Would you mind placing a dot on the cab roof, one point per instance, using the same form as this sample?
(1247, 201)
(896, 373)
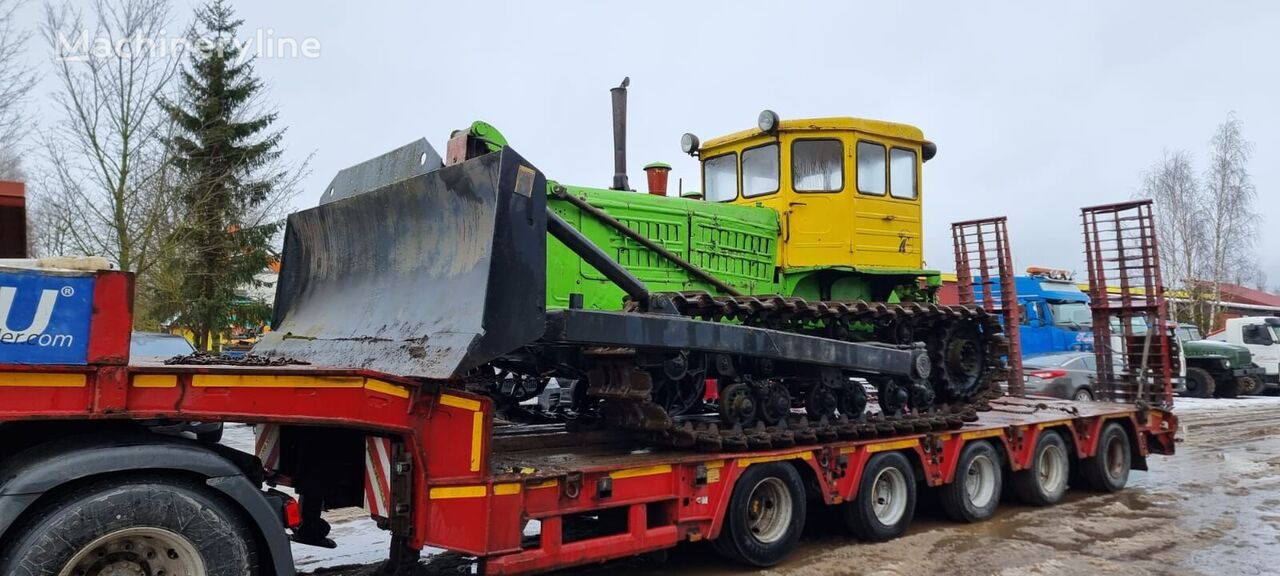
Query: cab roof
(847, 123)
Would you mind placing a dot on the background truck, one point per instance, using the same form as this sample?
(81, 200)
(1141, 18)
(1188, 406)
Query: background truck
(1056, 315)
(1217, 369)
(1261, 335)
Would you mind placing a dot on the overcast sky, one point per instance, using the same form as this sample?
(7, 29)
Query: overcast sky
(1036, 111)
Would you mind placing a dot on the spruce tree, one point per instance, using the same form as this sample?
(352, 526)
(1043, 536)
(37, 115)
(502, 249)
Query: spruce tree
(224, 151)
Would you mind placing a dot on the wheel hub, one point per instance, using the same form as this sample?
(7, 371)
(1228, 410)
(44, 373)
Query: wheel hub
(769, 510)
(138, 551)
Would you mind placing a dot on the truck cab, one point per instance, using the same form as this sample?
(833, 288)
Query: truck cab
(848, 190)
(1261, 335)
(1055, 313)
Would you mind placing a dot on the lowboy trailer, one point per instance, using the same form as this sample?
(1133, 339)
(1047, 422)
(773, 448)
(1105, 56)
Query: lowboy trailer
(432, 467)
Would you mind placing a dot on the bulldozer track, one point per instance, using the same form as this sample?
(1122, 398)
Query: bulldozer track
(891, 323)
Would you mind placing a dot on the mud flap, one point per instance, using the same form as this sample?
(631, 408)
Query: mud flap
(429, 276)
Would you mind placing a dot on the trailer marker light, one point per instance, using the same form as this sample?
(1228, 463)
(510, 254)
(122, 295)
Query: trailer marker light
(292, 513)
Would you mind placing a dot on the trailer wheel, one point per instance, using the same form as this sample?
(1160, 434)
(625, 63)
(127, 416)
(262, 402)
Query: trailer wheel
(132, 526)
(886, 499)
(974, 493)
(1108, 469)
(765, 516)
(1045, 482)
(1200, 383)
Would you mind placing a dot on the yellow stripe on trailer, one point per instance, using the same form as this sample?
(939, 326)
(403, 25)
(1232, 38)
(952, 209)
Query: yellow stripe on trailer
(42, 380)
(744, 462)
(386, 388)
(279, 381)
(460, 402)
(506, 489)
(639, 472)
(896, 445)
(155, 381)
(976, 434)
(452, 492)
(1044, 425)
(477, 439)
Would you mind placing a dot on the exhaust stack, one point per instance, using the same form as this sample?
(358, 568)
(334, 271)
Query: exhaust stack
(620, 135)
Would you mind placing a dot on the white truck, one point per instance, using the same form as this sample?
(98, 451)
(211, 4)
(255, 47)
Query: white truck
(1261, 335)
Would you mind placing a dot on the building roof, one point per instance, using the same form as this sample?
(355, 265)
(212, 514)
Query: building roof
(1243, 295)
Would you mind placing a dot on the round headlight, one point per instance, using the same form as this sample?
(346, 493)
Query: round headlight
(768, 121)
(689, 143)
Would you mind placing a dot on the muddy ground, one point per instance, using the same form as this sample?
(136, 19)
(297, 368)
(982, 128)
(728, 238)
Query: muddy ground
(1212, 509)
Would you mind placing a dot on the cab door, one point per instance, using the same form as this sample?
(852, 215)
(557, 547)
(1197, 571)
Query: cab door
(815, 205)
(886, 205)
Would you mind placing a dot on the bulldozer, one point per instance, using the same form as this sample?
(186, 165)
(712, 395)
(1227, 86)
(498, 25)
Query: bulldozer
(796, 281)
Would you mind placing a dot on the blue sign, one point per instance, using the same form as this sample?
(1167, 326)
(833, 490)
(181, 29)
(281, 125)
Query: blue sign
(44, 317)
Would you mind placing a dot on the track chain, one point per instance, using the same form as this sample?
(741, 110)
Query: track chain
(834, 319)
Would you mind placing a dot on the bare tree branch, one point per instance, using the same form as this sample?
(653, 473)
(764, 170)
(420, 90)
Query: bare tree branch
(16, 82)
(105, 155)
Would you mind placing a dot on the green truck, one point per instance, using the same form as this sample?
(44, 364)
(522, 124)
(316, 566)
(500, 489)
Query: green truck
(1217, 369)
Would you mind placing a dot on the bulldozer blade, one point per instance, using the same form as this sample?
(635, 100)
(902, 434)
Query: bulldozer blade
(427, 277)
(405, 162)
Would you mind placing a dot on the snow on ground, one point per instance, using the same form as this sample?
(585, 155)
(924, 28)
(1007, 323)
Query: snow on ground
(1183, 405)
(360, 541)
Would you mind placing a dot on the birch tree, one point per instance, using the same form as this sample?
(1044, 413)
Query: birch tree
(1230, 195)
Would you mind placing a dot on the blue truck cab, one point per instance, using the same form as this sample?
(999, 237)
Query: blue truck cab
(1055, 313)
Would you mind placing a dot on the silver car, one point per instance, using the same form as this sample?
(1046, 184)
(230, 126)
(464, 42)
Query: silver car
(1068, 375)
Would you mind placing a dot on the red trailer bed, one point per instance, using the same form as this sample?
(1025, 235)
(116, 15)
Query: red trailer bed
(436, 472)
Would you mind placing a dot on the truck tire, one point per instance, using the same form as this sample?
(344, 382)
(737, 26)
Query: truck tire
(1200, 383)
(1249, 385)
(1227, 387)
(132, 525)
(765, 515)
(886, 500)
(1045, 481)
(1108, 469)
(974, 493)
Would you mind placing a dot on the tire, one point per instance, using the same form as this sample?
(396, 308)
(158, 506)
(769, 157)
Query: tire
(212, 436)
(1227, 388)
(1249, 385)
(765, 515)
(1108, 469)
(1045, 481)
(883, 512)
(974, 493)
(1082, 395)
(1200, 383)
(144, 525)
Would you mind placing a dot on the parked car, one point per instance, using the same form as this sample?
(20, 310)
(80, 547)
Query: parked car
(1066, 375)
(158, 347)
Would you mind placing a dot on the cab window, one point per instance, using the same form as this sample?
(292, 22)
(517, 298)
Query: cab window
(760, 171)
(871, 168)
(902, 173)
(720, 177)
(817, 166)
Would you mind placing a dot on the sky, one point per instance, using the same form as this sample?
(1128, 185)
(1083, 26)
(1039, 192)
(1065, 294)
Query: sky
(1038, 109)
